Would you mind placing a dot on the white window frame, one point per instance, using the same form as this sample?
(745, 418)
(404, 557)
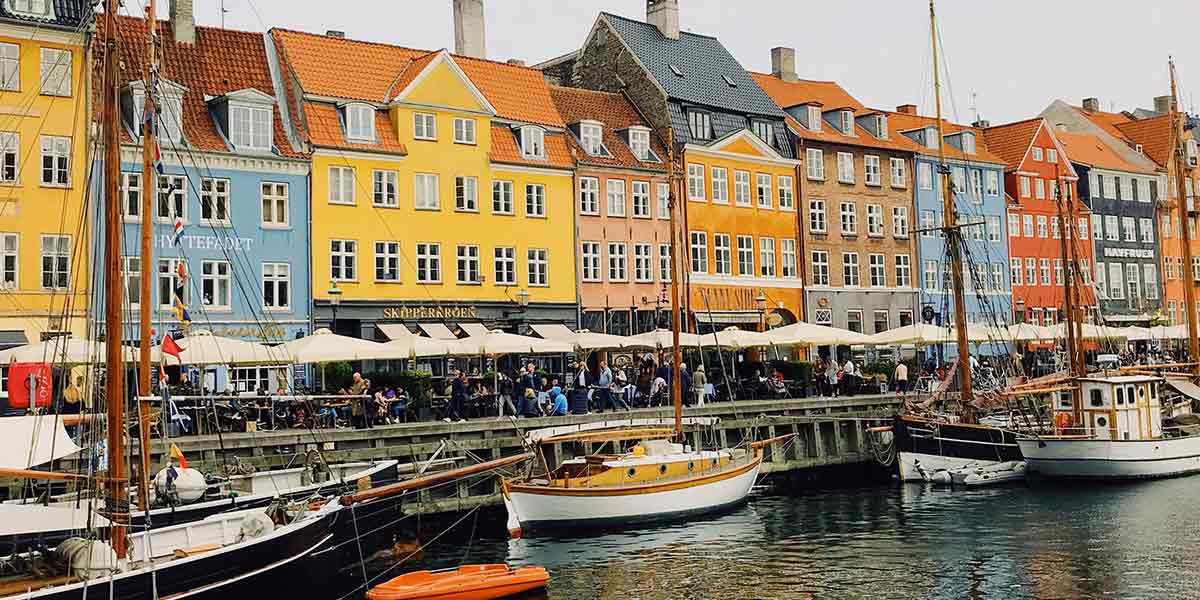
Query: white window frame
(533, 142)
(57, 150)
(466, 193)
(815, 158)
(277, 276)
(643, 271)
(787, 193)
(741, 188)
(58, 249)
(618, 262)
(745, 255)
(787, 258)
(820, 267)
(763, 190)
(698, 244)
(341, 185)
(614, 195)
(535, 200)
(429, 263)
(10, 67)
(464, 131)
(899, 173)
(696, 183)
(589, 196)
(10, 260)
(589, 261)
(538, 267)
(766, 257)
(343, 260)
(903, 270)
(664, 263)
(639, 143)
(175, 202)
(387, 261)
(848, 217)
(251, 127)
(427, 190)
(876, 270)
(871, 171)
(641, 199)
(216, 285)
(502, 197)
(845, 161)
(468, 265)
(424, 126)
(900, 222)
(875, 220)
(275, 203)
(505, 258)
(214, 193)
(851, 274)
(360, 122)
(385, 191)
(663, 197)
(818, 216)
(56, 71)
(591, 137)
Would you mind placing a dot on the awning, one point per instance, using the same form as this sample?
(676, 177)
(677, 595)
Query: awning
(728, 317)
(12, 339)
(1185, 387)
(394, 331)
(553, 331)
(473, 328)
(437, 331)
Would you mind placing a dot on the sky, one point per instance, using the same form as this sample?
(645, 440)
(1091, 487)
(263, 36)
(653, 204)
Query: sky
(1007, 59)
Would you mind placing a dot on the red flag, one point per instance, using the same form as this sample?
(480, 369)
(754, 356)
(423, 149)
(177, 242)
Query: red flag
(170, 347)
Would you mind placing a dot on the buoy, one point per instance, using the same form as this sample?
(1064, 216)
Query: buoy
(184, 486)
(87, 559)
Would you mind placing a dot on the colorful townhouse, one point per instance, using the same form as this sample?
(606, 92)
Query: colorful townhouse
(45, 247)
(442, 186)
(1124, 229)
(230, 221)
(738, 173)
(978, 179)
(622, 212)
(1040, 181)
(856, 203)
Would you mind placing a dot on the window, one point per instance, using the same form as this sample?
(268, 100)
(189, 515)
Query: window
(169, 125)
(1098, 227)
(1024, 186)
(700, 125)
(699, 245)
(384, 190)
(1101, 280)
(881, 320)
(820, 267)
(664, 262)
(215, 282)
(696, 183)
(845, 162)
(1037, 153)
(664, 200)
(787, 198)
(424, 126)
(466, 194)
(387, 261)
(274, 203)
(277, 285)
(641, 199)
(1042, 223)
(720, 185)
(814, 118)
(899, 174)
(900, 222)
(467, 264)
(968, 143)
(903, 270)
(506, 264)
(616, 197)
(764, 130)
(1044, 266)
(849, 219)
(1014, 271)
(1058, 272)
(429, 263)
(1039, 188)
(464, 131)
(10, 67)
(539, 267)
(787, 257)
(959, 180)
(131, 191)
(1051, 155)
(1147, 230)
(1150, 274)
(722, 254)
(250, 127)
(1082, 226)
(641, 263)
(131, 270)
(170, 280)
(172, 198)
(639, 142)
(535, 200)
(341, 185)
(766, 256)
(854, 320)
(741, 188)
(533, 142)
(1111, 189)
(927, 224)
(1132, 277)
(993, 183)
(816, 216)
(1112, 230)
(850, 269)
(502, 197)
(360, 122)
(342, 260)
(56, 160)
(745, 250)
(9, 144)
(976, 186)
(875, 220)
(1031, 275)
(10, 261)
(993, 228)
(1054, 227)
(1126, 187)
(846, 121)
(816, 164)
(427, 193)
(925, 176)
(56, 262)
(1014, 225)
(590, 259)
(214, 201)
(1128, 229)
(871, 173)
(1140, 191)
(56, 72)
(763, 189)
(877, 270)
(618, 262)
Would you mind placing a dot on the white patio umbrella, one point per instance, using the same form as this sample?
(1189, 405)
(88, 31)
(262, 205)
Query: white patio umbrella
(1169, 332)
(1092, 331)
(326, 346)
(1029, 331)
(661, 338)
(808, 334)
(69, 351)
(498, 342)
(1134, 333)
(980, 333)
(201, 347)
(585, 340)
(917, 333)
(737, 339)
(415, 346)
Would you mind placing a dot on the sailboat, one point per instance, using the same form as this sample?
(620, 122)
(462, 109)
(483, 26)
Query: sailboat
(1110, 426)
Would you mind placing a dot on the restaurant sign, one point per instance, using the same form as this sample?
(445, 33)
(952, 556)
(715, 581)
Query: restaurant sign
(439, 313)
(264, 332)
(1111, 252)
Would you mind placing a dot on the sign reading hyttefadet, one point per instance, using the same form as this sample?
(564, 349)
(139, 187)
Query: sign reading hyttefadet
(204, 242)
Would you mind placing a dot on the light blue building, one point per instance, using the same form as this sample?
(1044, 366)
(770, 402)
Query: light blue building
(238, 186)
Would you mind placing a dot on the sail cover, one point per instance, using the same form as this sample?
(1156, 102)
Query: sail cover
(28, 441)
(33, 519)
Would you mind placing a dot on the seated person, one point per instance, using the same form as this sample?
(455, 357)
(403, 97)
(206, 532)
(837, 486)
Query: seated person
(559, 408)
(658, 390)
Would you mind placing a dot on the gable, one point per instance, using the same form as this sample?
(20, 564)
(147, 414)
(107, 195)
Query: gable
(745, 144)
(741, 145)
(442, 83)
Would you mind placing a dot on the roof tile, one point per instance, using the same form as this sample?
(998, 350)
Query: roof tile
(505, 149)
(1087, 149)
(616, 113)
(1011, 140)
(325, 130)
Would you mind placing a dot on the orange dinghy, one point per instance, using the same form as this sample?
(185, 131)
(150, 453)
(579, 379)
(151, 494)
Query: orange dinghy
(469, 582)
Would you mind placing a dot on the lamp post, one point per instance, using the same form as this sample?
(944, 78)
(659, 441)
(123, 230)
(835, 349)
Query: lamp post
(335, 298)
(761, 302)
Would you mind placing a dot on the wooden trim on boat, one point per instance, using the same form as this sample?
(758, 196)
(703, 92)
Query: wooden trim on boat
(912, 419)
(436, 478)
(42, 475)
(654, 488)
(1045, 390)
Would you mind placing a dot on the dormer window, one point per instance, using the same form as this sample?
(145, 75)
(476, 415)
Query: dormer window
(1191, 153)
(250, 127)
(42, 9)
(360, 122)
(763, 130)
(533, 142)
(931, 138)
(170, 109)
(814, 118)
(591, 134)
(968, 143)
(701, 124)
(881, 127)
(847, 121)
(639, 142)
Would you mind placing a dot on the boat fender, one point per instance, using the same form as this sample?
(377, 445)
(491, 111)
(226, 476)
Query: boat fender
(178, 485)
(256, 525)
(87, 559)
(942, 477)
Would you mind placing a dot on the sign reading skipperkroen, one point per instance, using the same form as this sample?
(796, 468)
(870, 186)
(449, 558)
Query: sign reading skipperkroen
(429, 312)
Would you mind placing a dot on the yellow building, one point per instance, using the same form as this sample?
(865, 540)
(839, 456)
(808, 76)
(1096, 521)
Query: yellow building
(44, 227)
(441, 187)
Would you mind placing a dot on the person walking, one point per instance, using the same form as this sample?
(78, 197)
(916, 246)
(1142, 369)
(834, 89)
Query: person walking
(831, 377)
(901, 377)
(458, 397)
(579, 404)
(359, 406)
(849, 375)
(699, 382)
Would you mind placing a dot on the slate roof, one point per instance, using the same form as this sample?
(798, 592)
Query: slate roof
(1087, 149)
(68, 14)
(1011, 140)
(616, 113)
(703, 60)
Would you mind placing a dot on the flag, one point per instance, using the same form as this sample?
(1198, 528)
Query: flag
(170, 347)
(158, 164)
(181, 271)
(178, 227)
(180, 308)
(177, 454)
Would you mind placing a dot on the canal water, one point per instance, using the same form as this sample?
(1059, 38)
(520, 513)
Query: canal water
(1039, 540)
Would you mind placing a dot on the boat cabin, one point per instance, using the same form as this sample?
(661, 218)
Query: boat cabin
(1125, 407)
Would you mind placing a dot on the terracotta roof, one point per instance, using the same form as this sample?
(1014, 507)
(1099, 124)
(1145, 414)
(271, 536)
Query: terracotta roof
(901, 122)
(1011, 140)
(505, 149)
(1153, 134)
(325, 130)
(358, 70)
(1107, 121)
(1089, 150)
(616, 113)
(221, 61)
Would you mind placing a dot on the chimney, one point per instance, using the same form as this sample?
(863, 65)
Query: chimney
(664, 14)
(907, 109)
(1091, 104)
(334, 33)
(982, 124)
(468, 28)
(516, 62)
(1162, 105)
(183, 21)
(783, 63)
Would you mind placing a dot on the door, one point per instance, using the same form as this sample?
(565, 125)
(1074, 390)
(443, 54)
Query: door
(1101, 426)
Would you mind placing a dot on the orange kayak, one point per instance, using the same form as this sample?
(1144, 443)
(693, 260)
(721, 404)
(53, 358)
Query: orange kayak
(469, 582)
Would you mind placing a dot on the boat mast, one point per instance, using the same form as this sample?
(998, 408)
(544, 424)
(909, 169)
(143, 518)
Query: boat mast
(676, 355)
(1179, 152)
(953, 239)
(149, 182)
(113, 290)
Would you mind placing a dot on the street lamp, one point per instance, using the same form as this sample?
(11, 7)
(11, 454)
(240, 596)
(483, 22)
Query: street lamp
(523, 298)
(335, 298)
(761, 302)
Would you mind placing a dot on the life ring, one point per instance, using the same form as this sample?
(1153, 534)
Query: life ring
(1063, 421)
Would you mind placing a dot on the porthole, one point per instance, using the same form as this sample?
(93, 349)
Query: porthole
(631, 472)
(1141, 392)
(714, 462)
(691, 465)
(662, 469)
(1102, 422)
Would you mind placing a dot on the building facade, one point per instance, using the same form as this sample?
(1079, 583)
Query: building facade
(622, 209)
(45, 232)
(856, 204)
(442, 187)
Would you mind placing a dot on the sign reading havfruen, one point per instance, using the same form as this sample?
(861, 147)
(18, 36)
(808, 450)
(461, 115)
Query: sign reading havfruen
(205, 242)
(429, 312)
(1128, 252)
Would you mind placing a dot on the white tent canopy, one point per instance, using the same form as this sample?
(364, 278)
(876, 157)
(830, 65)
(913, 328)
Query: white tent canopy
(68, 351)
(917, 333)
(325, 346)
(32, 440)
(661, 338)
(808, 334)
(204, 348)
(736, 339)
(497, 342)
(583, 339)
(1028, 331)
(415, 346)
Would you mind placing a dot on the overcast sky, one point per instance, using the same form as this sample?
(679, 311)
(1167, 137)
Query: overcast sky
(1013, 56)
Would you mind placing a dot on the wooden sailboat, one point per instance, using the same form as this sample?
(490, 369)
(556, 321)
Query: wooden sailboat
(1111, 426)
